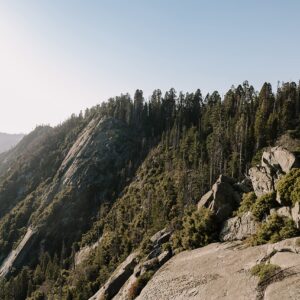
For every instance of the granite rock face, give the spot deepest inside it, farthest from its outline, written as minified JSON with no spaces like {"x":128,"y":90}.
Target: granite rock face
{"x":274,"y":163}
{"x":262,"y":180}
{"x":239,"y":228}
{"x":279,"y":159}
{"x":222,"y":271}
{"x":117,"y":279}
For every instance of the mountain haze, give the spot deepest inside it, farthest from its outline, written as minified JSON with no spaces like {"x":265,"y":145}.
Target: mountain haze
{"x":8,"y":141}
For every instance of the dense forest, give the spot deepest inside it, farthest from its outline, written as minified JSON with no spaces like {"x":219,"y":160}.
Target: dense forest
{"x":146,"y":164}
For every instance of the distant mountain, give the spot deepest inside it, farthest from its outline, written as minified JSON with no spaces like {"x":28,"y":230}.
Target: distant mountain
{"x":8,"y":141}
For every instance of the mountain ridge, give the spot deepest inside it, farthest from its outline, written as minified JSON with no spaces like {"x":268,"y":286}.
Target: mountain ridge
{"x":105,"y":182}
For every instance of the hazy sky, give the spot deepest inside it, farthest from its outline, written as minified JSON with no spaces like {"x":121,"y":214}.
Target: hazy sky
{"x":61,"y":56}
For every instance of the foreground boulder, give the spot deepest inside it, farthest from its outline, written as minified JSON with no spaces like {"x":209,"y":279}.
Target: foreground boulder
{"x":222,"y":199}
{"x":223,"y":271}
{"x":239,"y":228}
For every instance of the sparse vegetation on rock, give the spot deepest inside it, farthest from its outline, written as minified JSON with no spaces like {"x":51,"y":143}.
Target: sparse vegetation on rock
{"x":275,"y":229}
{"x":263,"y":204}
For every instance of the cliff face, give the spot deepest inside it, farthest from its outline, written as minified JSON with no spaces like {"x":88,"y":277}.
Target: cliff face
{"x":59,"y":209}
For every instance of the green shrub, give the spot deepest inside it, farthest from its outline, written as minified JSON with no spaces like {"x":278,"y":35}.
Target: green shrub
{"x":167,"y":247}
{"x":247,"y":202}
{"x":256,"y":160}
{"x":264,"y":271}
{"x":263,"y":205}
{"x":198,"y":229}
{"x":289,"y":187}
{"x":274,"y":230}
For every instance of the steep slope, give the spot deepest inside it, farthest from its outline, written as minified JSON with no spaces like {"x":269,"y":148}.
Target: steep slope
{"x":7,"y":141}
{"x":160,"y":191}
{"x":89,"y":176}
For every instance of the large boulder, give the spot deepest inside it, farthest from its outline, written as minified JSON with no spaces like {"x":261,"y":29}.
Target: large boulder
{"x":279,"y":159}
{"x":262,"y":180}
{"x":222,"y":199}
{"x":117,"y":279}
{"x":239,"y":228}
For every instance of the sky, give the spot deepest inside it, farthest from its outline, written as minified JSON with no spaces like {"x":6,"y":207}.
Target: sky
{"x":58,"y":57}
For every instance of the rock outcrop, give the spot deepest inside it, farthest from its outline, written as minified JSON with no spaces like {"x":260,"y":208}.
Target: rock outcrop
{"x":84,"y":252}
{"x":140,"y":269}
{"x":222,"y":199}
{"x":127,"y":274}
{"x":274,"y":163}
{"x":262,"y":180}
{"x":239,"y":228}
{"x":223,"y":271}
{"x":16,"y":255}
{"x":157,"y":240}
{"x":279,"y":160}
{"x":117,"y":279}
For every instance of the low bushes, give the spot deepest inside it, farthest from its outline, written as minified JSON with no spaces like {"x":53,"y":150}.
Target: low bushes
{"x":274,"y":230}
{"x":247,"y":202}
{"x":264,"y":271}
{"x":262,"y":206}
{"x":289,"y":187}
{"x":198,"y":229}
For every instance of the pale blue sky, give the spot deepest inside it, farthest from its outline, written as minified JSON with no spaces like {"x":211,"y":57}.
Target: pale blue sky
{"x":60,"y":56}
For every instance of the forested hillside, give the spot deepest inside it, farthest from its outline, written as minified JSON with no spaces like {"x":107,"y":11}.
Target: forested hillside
{"x":103,"y":182}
